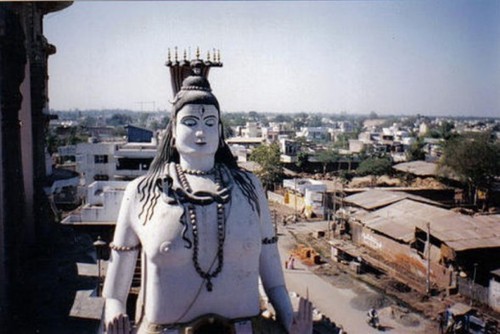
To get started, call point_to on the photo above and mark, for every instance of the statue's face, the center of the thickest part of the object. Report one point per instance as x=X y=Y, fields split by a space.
x=197 y=130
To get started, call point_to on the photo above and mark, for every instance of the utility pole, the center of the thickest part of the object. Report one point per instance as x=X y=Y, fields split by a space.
x=473 y=284
x=142 y=103
x=428 y=274
x=295 y=198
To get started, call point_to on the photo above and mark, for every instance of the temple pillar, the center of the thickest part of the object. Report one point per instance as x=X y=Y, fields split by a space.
x=12 y=71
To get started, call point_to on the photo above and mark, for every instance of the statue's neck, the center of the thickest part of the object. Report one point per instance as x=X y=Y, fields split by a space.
x=204 y=163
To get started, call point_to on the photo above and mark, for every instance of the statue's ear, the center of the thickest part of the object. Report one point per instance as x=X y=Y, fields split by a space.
x=173 y=129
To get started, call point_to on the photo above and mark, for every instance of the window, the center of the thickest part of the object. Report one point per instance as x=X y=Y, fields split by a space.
x=101 y=177
x=101 y=159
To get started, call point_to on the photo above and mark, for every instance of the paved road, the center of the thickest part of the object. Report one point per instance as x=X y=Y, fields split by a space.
x=335 y=302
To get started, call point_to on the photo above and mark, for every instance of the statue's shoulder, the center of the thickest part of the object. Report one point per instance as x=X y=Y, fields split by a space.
x=137 y=186
x=246 y=174
x=250 y=177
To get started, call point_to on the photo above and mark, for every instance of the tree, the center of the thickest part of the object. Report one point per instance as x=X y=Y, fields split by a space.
x=143 y=119
x=88 y=121
x=474 y=160
x=314 y=121
x=119 y=119
x=375 y=166
x=342 y=140
x=283 y=118
x=416 y=151
x=271 y=170
x=445 y=129
x=326 y=157
x=302 y=158
x=228 y=130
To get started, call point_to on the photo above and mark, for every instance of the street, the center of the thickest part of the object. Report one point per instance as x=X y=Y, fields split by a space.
x=346 y=304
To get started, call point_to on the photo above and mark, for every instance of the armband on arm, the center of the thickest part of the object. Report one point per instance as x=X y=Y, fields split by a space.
x=124 y=248
x=268 y=241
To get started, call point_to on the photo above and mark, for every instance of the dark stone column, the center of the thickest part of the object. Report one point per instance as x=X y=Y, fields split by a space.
x=38 y=57
x=12 y=65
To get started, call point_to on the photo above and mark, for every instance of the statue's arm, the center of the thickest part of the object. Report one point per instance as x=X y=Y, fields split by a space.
x=121 y=266
x=271 y=271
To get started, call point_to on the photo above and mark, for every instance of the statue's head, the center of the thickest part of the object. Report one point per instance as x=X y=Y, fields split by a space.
x=193 y=105
x=195 y=90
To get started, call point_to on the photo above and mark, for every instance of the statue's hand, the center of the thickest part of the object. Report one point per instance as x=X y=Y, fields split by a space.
x=302 y=321
x=118 y=325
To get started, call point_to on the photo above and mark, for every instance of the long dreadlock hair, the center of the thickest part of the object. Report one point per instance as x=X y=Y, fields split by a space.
x=195 y=90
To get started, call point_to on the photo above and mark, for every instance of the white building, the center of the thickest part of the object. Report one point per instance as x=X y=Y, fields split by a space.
x=111 y=161
x=103 y=204
x=314 y=133
x=313 y=192
x=95 y=161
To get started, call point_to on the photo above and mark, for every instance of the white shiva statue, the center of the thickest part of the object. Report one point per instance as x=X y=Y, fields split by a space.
x=204 y=229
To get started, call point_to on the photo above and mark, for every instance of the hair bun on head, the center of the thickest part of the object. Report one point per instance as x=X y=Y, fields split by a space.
x=195 y=90
x=196 y=82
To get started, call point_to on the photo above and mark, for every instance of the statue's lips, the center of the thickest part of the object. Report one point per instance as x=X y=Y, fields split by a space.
x=201 y=143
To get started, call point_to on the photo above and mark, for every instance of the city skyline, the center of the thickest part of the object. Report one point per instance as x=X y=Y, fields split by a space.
x=397 y=57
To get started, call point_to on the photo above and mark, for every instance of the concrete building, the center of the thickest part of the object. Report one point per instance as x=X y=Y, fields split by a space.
x=112 y=160
x=289 y=149
x=312 y=192
x=314 y=133
x=102 y=205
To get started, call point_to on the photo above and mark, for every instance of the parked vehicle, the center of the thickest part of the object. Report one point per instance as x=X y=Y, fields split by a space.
x=372 y=318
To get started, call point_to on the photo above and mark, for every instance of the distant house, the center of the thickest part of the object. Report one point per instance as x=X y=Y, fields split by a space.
x=102 y=205
x=101 y=132
x=314 y=133
x=310 y=194
x=289 y=149
x=136 y=134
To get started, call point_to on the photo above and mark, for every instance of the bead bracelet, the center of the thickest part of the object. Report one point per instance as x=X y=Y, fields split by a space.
x=124 y=248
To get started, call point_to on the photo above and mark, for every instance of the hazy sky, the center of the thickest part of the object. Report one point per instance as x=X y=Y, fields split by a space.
x=391 y=57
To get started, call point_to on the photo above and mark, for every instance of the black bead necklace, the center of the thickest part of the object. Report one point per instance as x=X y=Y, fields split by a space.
x=221 y=229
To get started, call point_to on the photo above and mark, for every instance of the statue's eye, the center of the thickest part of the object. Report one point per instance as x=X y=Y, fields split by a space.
x=189 y=121
x=210 y=121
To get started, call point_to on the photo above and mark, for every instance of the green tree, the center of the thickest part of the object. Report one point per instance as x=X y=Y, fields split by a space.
x=327 y=157
x=445 y=129
x=283 y=118
x=374 y=166
x=119 y=119
x=474 y=160
x=302 y=158
x=314 y=121
x=343 y=140
x=228 y=130
x=88 y=121
x=143 y=119
x=52 y=142
x=253 y=115
x=416 y=151
x=271 y=170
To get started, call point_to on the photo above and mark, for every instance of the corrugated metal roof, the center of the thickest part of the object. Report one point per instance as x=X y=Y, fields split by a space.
x=421 y=168
x=400 y=219
x=377 y=198
x=393 y=228
x=460 y=232
x=374 y=198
